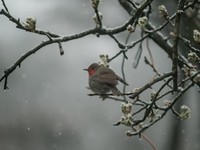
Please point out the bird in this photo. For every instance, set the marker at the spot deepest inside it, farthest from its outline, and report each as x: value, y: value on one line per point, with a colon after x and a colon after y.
x: 102, y: 80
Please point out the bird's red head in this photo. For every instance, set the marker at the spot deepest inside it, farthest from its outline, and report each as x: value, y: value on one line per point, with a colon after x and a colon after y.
x: 92, y: 69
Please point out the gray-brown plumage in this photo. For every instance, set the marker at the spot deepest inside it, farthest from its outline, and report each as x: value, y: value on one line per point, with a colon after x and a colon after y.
x: 103, y: 80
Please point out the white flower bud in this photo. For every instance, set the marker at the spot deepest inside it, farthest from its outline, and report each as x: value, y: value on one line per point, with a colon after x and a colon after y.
x: 126, y: 108
x: 193, y: 56
x: 196, y: 79
x: 185, y: 112
x: 95, y: 3
x: 30, y: 24
x: 196, y: 35
x: 96, y: 19
x: 167, y: 102
x: 104, y: 60
x: 127, y: 120
x: 162, y: 11
x: 130, y: 28
x: 143, y: 21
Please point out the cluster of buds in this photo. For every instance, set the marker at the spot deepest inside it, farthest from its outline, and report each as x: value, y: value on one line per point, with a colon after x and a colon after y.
x: 196, y: 36
x: 193, y: 70
x: 167, y: 103
x: 30, y: 24
x: 104, y: 60
x: 130, y: 28
x: 95, y: 17
x: 162, y: 11
x: 192, y: 56
x: 126, y: 108
x: 127, y: 119
x: 95, y: 3
x: 143, y: 21
x: 190, y: 71
x: 185, y: 112
x: 153, y: 95
x: 196, y: 79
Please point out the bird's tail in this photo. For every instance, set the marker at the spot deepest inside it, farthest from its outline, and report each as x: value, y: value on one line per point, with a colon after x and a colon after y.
x: 121, y: 80
x: 115, y: 91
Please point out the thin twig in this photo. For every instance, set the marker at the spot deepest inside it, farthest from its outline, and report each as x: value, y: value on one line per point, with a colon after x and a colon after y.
x: 188, y: 44
x: 133, y: 4
x: 148, y: 85
x: 21, y: 26
x: 144, y: 136
x: 138, y: 54
x: 150, y: 54
x: 122, y: 65
x: 4, y: 5
x: 98, y: 17
x: 175, y: 112
x: 120, y: 45
x: 60, y: 48
x: 154, y: 69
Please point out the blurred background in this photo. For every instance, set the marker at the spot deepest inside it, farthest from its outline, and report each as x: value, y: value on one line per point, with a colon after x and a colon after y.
x: 47, y: 106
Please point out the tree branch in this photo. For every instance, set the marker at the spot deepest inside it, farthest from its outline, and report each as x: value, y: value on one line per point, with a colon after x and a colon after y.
x: 176, y: 42
x: 148, y: 85
x: 164, y: 112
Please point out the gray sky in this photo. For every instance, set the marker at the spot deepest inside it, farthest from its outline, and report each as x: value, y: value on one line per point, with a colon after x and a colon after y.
x: 47, y: 106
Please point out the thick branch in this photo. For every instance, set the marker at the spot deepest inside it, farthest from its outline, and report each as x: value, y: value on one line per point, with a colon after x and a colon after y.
x: 176, y: 42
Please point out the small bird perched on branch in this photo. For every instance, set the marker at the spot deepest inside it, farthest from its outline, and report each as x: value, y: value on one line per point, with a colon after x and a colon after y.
x: 103, y: 80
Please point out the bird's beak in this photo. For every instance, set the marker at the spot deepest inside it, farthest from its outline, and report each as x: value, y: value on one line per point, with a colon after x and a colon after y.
x: 85, y: 69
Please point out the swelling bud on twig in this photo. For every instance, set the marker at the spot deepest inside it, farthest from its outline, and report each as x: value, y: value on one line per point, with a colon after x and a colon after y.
x: 104, y: 60
x: 95, y: 3
x: 30, y: 24
x: 196, y: 79
x: 127, y: 120
x: 143, y: 21
x: 129, y: 133
x: 185, y: 112
x: 192, y: 71
x: 130, y: 28
x: 95, y: 18
x: 167, y: 103
x: 192, y: 56
x: 126, y: 108
x: 162, y: 11
x: 196, y: 36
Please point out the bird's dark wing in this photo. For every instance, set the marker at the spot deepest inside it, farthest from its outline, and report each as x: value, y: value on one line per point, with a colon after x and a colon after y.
x: 108, y: 79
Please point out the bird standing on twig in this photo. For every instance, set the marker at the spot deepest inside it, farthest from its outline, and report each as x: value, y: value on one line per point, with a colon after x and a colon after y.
x: 103, y: 80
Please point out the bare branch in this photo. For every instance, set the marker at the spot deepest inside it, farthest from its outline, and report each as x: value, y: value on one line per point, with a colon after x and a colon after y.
x: 60, y: 48
x: 4, y: 5
x: 188, y: 44
x: 8, y: 71
x: 22, y: 27
x: 164, y: 112
x: 148, y: 85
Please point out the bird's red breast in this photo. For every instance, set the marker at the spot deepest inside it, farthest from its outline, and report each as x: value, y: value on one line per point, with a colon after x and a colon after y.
x: 91, y: 71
